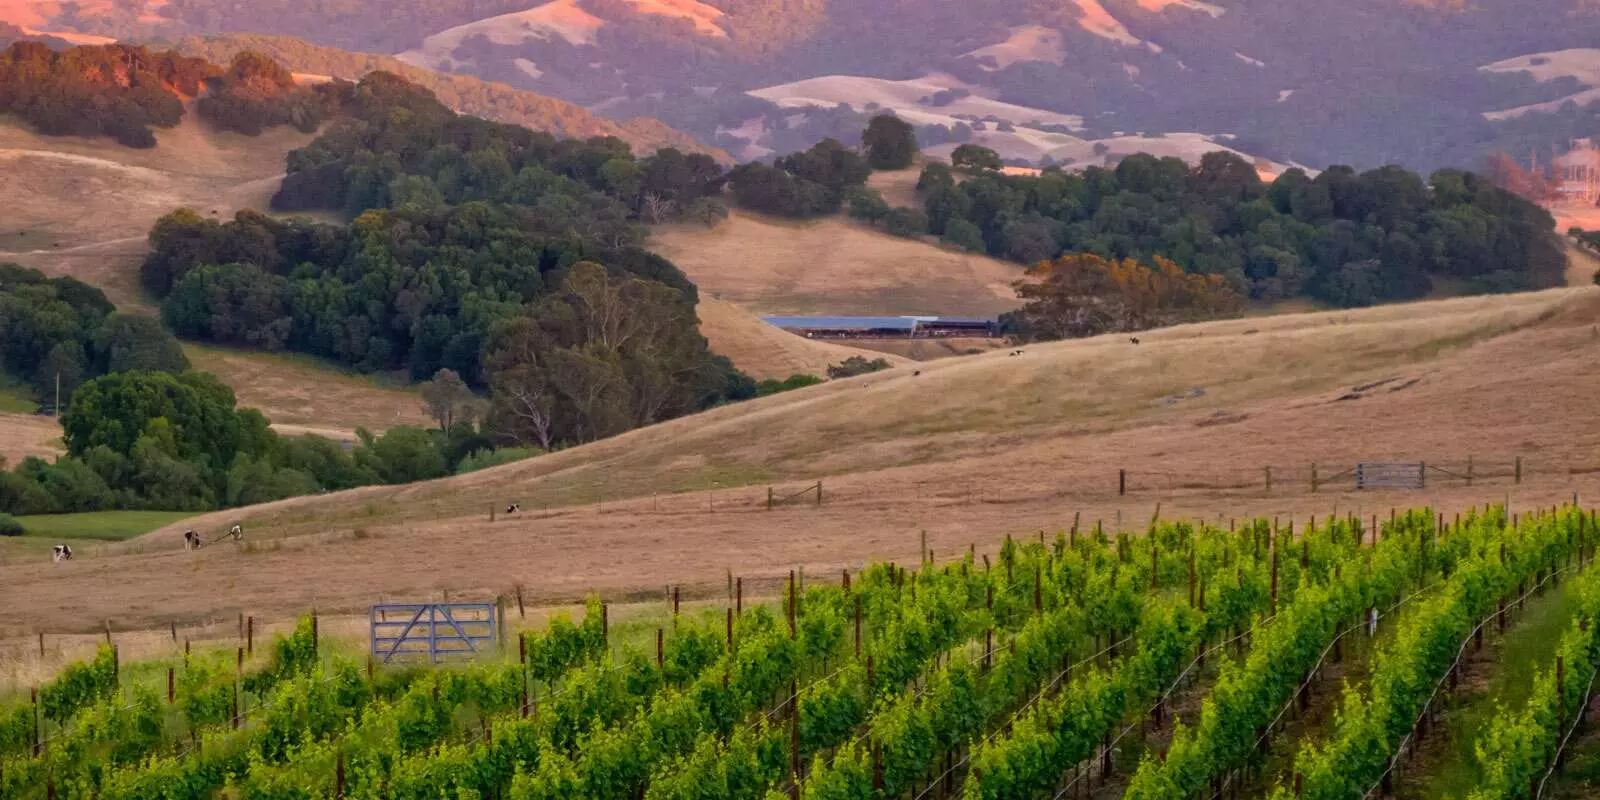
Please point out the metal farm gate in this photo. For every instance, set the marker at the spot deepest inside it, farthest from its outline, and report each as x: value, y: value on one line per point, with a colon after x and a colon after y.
x: 435, y: 630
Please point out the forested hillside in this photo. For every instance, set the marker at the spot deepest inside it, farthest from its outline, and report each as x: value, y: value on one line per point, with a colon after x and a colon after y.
x: 123, y: 92
x: 464, y: 93
x: 508, y: 256
x: 1343, y: 237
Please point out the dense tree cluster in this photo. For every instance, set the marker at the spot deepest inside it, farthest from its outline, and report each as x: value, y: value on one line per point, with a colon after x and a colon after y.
x: 399, y: 146
x: 506, y: 256
x: 111, y: 90
x: 465, y: 93
x: 60, y: 328
x: 123, y: 92
x: 159, y: 440
x: 805, y: 184
x: 1345, y: 238
x: 256, y: 93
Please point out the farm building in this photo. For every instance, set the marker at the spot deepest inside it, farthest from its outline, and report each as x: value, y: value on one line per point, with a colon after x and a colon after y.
x: 905, y: 327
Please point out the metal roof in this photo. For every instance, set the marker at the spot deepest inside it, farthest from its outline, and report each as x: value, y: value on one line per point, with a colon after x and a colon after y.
x: 903, y: 323
x: 844, y: 323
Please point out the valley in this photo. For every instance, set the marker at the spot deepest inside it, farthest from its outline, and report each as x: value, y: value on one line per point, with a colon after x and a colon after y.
x: 969, y: 450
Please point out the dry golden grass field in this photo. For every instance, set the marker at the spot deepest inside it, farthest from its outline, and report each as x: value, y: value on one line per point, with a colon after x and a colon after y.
x: 23, y: 435
x: 834, y: 266
x: 303, y: 395
x: 968, y: 451
x: 763, y: 351
x: 83, y: 207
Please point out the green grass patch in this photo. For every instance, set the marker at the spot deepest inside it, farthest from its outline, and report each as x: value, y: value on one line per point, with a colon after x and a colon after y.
x: 105, y: 526
x: 15, y: 396
x: 1528, y: 646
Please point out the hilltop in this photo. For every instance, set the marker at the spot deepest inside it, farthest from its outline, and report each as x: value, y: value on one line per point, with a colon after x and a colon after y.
x: 968, y: 450
x: 1371, y: 82
x: 463, y: 93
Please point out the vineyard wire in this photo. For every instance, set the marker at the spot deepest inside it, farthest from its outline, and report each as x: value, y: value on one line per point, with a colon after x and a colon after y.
x: 1460, y: 651
x: 1164, y: 695
x: 920, y: 692
x: 1035, y: 698
x: 1576, y: 718
x: 1325, y: 651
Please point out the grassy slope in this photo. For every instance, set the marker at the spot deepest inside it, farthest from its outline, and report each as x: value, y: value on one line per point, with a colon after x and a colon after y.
x: 969, y: 450
x: 763, y: 351
x: 105, y: 526
x: 304, y: 394
x: 833, y: 266
x: 464, y: 93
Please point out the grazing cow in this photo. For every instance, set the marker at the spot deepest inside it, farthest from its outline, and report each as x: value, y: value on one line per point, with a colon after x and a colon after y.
x: 236, y: 533
x: 1133, y: 339
x: 512, y: 508
x: 60, y: 553
x: 192, y: 541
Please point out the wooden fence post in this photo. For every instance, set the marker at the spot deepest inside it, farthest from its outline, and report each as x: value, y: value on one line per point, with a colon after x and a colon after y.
x: 1314, y: 480
x: 661, y: 647
x: 522, y: 612
x: 1122, y: 482
x: 1519, y: 469
x: 1268, y: 471
x: 170, y: 686
x: 819, y: 493
x: 1469, y: 470
x: 250, y: 635
x: 858, y: 627
x: 769, y: 498
x: 1422, y: 474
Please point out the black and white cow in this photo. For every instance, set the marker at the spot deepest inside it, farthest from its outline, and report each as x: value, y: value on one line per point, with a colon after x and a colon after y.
x: 192, y: 541
x: 236, y: 533
x: 60, y: 553
x: 512, y: 508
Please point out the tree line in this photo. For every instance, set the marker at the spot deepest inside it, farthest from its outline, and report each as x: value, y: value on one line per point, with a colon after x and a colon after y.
x: 507, y: 256
x: 1345, y: 238
x: 176, y: 440
x: 125, y: 92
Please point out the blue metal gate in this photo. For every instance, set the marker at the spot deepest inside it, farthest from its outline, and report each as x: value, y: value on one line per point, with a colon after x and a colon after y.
x: 435, y: 630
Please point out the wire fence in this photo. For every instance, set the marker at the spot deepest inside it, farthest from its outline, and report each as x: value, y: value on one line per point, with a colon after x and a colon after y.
x: 1263, y: 481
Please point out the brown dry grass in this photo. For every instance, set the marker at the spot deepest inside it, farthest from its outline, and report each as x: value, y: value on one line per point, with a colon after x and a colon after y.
x: 303, y: 395
x: 1582, y: 266
x: 968, y: 451
x: 833, y: 266
x: 899, y: 187
x: 23, y: 435
x: 83, y: 207
x: 763, y: 351
x: 930, y: 349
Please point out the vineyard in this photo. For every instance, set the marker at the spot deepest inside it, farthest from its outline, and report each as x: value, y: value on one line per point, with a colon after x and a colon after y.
x: 1260, y: 660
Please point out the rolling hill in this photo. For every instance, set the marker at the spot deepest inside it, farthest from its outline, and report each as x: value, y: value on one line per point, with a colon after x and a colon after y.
x: 1367, y: 82
x: 966, y: 451
x: 833, y: 266
x: 463, y: 93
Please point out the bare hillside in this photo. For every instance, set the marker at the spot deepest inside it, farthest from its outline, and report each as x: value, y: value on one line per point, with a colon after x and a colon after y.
x: 966, y: 451
x: 83, y: 207
x: 762, y: 351
x: 832, y: 266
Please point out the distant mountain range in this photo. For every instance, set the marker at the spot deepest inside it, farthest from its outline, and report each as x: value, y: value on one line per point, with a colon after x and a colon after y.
x: 1423, y: 83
